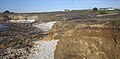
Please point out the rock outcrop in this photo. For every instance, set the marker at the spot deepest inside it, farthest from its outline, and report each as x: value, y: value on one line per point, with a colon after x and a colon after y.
x: 61, y: 27
x: 89, y: 44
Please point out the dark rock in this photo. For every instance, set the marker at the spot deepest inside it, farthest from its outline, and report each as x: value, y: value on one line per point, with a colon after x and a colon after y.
x: 16, y: 40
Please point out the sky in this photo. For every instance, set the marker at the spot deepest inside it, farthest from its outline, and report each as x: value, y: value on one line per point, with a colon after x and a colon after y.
x: 54, y: 5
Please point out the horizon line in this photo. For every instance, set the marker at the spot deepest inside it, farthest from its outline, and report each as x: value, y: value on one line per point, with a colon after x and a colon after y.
x: 52, y: 10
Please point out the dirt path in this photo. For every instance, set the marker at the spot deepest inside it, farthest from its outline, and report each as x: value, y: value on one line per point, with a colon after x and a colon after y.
x: 44, y: 50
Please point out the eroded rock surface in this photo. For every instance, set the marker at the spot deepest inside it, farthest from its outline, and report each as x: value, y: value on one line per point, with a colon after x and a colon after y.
x: 89, y: 44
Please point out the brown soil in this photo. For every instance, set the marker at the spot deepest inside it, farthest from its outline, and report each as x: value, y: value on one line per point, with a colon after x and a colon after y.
x: 89, y: 44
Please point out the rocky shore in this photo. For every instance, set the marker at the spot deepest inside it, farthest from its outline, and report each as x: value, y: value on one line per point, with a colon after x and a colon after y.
x: 25, y: 41
x: 16, y: 40
x: 66, y: 40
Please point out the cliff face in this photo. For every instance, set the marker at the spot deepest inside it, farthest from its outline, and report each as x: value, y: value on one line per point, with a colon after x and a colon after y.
x: 89, y: 43
x: 60, y: 28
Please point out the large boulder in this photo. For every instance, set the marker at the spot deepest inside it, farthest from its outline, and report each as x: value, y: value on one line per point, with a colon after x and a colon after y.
x: 85, y: 43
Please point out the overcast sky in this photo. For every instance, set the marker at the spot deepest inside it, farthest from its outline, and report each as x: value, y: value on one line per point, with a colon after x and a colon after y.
x: 54, y: 5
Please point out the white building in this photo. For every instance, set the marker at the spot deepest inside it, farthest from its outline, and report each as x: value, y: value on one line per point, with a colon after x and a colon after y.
x: 110, y: 8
